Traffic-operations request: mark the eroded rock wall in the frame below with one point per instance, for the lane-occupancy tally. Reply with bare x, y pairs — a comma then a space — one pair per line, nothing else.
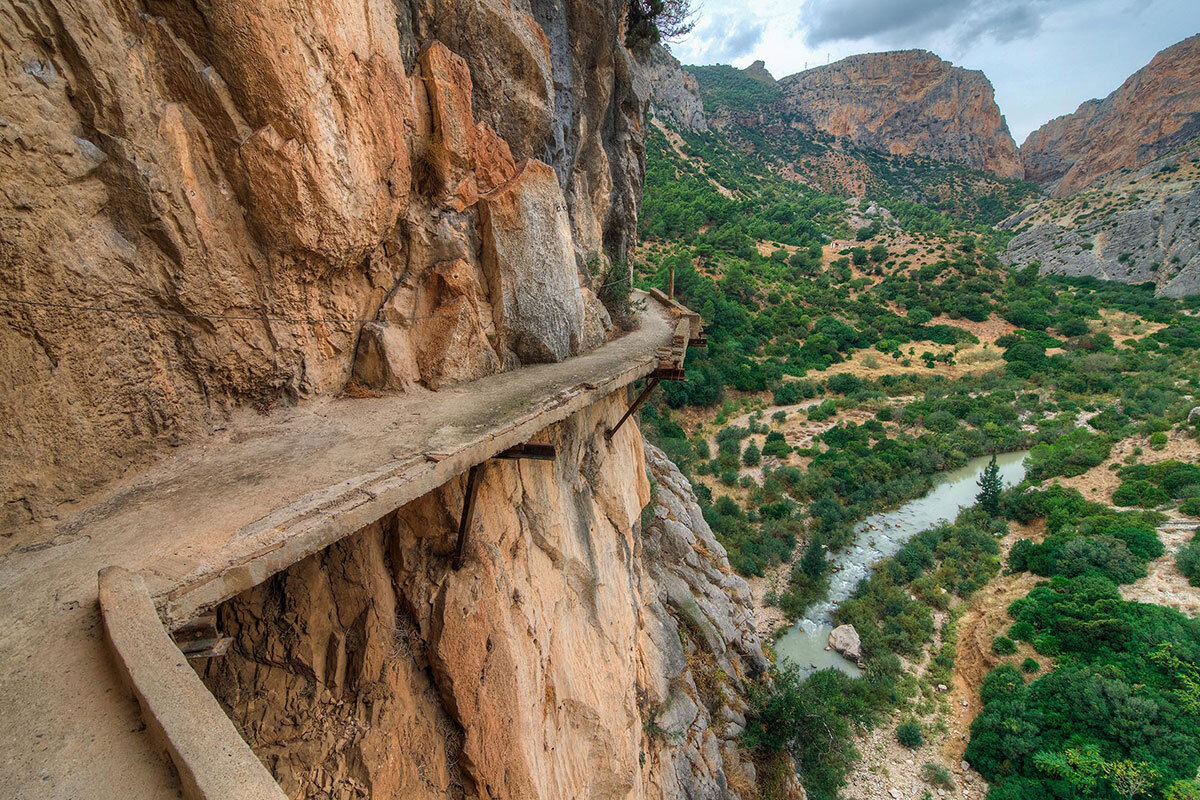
260, 191
575, 654
1156, 110
906, 103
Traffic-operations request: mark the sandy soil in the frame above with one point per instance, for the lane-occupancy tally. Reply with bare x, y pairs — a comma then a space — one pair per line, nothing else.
1164, 584
1099, 482
987, 617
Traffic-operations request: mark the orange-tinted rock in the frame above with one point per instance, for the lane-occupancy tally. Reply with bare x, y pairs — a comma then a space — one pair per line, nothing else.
468, 158
1155, 111
907, 102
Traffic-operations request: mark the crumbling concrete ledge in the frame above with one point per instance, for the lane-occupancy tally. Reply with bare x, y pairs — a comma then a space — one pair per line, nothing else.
140, 608
213, 761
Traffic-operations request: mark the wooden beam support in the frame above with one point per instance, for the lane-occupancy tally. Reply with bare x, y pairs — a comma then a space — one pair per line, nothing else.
699, 340
669, 374
641, 398
464, 521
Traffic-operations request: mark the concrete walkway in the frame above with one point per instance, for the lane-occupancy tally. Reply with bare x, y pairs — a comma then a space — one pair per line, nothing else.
221, 515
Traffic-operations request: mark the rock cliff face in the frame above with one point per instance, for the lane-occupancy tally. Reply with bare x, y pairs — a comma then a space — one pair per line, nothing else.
674, 94
1155, 111
906, 103
262, 193
1139, 230
575, 654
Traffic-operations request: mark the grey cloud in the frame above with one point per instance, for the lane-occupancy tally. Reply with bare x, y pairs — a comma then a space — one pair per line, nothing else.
965, 21
727, 37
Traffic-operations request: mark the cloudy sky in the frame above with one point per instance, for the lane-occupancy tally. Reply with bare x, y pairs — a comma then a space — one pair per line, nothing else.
1044, 57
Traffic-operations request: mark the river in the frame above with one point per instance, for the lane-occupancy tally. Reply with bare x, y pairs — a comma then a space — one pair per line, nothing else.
880, 536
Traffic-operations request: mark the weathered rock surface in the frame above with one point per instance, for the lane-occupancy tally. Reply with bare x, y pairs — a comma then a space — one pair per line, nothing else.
572, 656
844, 639
1142, 238
908, 103
674, 94
1155, 111
257, 183
529, 260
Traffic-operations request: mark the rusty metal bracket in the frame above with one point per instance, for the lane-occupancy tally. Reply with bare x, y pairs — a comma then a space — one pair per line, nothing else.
200, 638
641, 398
537, 452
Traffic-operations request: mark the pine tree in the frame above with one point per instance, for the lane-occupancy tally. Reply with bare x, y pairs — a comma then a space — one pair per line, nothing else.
990, 487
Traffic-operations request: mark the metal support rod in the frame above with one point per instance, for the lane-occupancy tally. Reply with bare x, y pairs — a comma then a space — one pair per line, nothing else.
641, 398
464, 522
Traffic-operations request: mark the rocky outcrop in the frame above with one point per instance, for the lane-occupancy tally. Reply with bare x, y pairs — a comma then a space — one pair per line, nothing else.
844, 639
530, 266
1155, 111
674, 94
573, 655
273, 198
1148, 239
906, 103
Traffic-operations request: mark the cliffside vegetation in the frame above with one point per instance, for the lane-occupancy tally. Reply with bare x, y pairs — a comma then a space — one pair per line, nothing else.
857, 348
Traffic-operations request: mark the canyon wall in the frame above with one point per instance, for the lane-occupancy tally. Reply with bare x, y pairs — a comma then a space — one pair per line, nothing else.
906, 103
584, 649
221, 207
1153, 112
674, 94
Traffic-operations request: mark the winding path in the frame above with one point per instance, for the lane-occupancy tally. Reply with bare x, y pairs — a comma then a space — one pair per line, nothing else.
222, 515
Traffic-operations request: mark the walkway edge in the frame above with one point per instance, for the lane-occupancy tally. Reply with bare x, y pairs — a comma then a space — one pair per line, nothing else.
183, 717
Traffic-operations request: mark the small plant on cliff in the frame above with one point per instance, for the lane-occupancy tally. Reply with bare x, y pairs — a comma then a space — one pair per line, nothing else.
652, 21
909, 734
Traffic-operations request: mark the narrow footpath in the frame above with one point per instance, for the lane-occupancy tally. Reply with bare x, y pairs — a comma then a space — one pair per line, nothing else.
223, 514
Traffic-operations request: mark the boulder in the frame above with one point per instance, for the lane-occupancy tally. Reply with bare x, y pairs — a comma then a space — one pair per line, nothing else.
385, 358
529, 260
844, 639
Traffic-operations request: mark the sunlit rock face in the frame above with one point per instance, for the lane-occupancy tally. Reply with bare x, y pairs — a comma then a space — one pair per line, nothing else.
1153, 112
906, 103
278, 189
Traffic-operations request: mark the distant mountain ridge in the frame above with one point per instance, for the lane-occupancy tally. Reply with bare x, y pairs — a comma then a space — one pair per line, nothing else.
1156, 110
907, 102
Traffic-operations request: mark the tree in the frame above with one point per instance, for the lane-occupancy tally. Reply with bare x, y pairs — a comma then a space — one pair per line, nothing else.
990, 487
654, 21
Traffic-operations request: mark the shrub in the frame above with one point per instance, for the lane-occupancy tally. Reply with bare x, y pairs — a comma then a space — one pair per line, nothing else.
751, 456
1003, 646
1021, 631
937, 776
1188, 561
1158, 440
909, 734
1190, 507
1030, 665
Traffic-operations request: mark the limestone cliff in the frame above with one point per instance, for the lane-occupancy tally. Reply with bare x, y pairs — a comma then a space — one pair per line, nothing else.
575, 654
207, 207
1136, 229
674, 94
906, 103
1155, 111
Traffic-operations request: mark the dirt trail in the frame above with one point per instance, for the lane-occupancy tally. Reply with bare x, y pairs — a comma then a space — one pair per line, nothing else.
1164, 584
985, 618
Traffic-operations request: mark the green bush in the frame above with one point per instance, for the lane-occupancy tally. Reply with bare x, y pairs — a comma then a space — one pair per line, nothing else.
1188, 561
751, 456
1190, 507
1003, 646
1158, 440
1030, 665
909, 734
1021, 631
